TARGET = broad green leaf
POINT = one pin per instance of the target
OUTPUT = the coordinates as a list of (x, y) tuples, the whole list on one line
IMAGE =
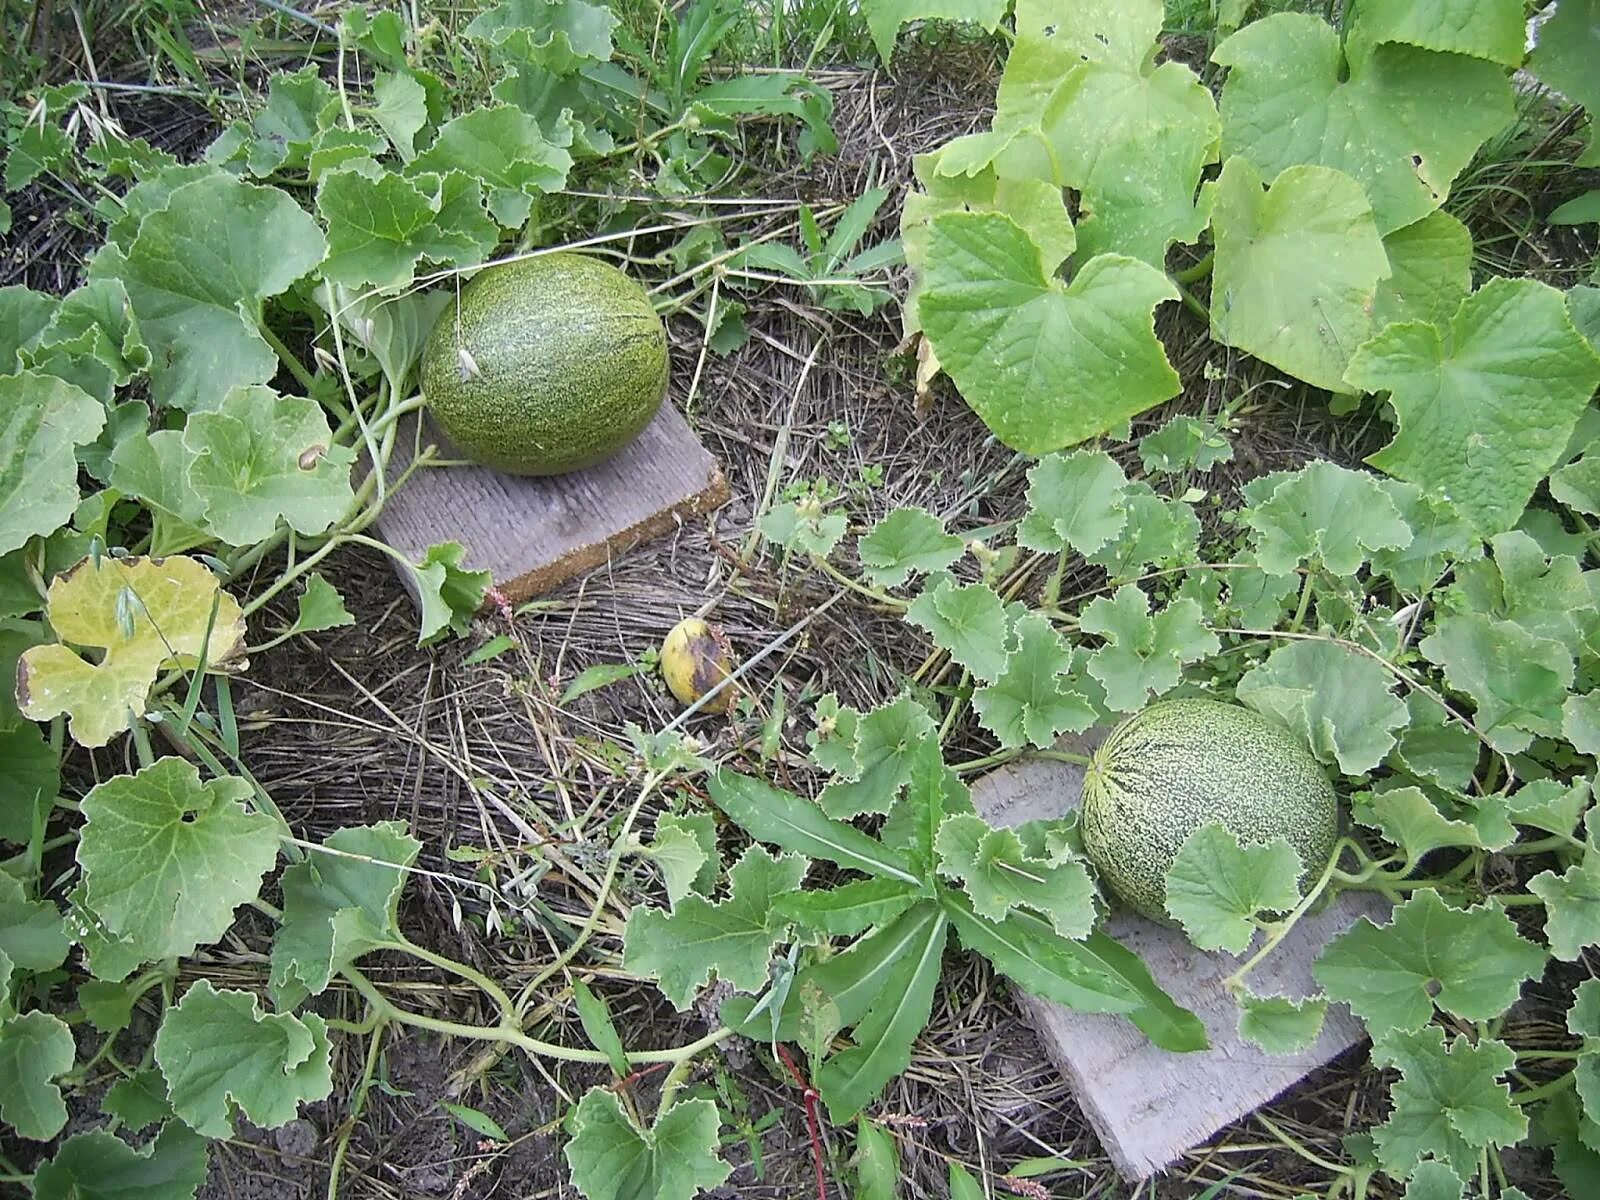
[(1577, 485), (1549, 804), (392, 328), (558, 35), (1158, 532), (885, 740), (24, 316), (34, 1048), (298, 106), (1340, 702), (1486, 405), (1517, 681), (504, 149), (1130, 137), (1280, 1025), (679, 856), (907, 541), (968, 621), (92, 340), (259, 457), (733, 938), (217, 1047), (381, 225), (797, 824), (167, 858), (401, 110), (1571, 906), (30, 778), (1034, 701), (1402, 121), (1037, 205), (450, 594), (145, 614), (1564, 61), (139, 1100), (319, 607), (42, 421), (1218, 889), (101, 1166), (962, 1185), (1440, 536), (702, 827), (32, 933), (339, 903), (1489, 29), (1449, 1103), (1143, 653), (1263, 301), (876, 1162), (1469, 961), (197, 273), (999, 876), (1580, 722), (1045, 364), (611, 1158), (1413, 823), (884, 1035), (1431, 265), (803, 526), (1184, 443), (886, 17), (1433, 1180), (1583, 1021), (1074, 500), (849, 909), (154, 468)]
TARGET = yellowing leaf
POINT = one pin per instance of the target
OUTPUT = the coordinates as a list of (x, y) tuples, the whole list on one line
[(146, 615)]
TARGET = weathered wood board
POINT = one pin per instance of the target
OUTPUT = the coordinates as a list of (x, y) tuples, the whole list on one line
[(531, 534), (1147, 1105)]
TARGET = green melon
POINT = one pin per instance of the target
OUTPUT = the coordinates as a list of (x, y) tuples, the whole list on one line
[(1180, 764), (546, 365)]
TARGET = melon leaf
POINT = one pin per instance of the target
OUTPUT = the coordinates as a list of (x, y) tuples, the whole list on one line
[(1143, 653), (1279, 1024), (967, 621), (906, 541), (999, 876), (611, 1158), (1074, 501), (1218, 889), (1322, 514), (1035, 698)]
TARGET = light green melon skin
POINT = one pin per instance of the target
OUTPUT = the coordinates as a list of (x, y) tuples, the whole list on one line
[(571, 365), (1180, 764)]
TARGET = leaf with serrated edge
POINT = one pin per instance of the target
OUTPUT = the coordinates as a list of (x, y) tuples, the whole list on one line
[(1279, 1024), (450, 594), (1469, 961), (1074, 500), (732, 938), (34, 1048), (167, 858), (1486, 404), (998, 876), (259, 457), (320, 606), (1406, 817), (611, 1158), (1488, 29), (138, 1100), (1045, 364), (1440, 536), (1518, 681), (1158, 532), (101, 1166), (1340, 702), (505, 149), (1549, 804), (1571, 906), (1217, 889), (907, 541), (679, 856), (1433, 1180), (339, 903), (218, 1046), (967, 621), (1032, 702), (1143, 653), (885, 741), (1403, 121), (32, 933), (382, 225), (1431, 260), (1449, 1102), (167, 604), (215, 252), (1323, 513), (42, 421)]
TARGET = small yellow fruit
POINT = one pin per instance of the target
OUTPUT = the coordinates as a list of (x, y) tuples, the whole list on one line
[(695, 657)]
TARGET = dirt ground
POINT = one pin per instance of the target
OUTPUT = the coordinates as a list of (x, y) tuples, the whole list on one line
[(357, 725)]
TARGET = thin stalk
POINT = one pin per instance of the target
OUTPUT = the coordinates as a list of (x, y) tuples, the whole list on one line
[(488, 986), (287, 357), (1236, 980)]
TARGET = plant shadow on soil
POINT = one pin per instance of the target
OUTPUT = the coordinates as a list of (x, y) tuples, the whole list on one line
[(357, 725)]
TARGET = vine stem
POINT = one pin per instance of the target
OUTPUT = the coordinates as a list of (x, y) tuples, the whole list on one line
[(1000, 758), (488, 986), (1545, 1090), (287, 357), (855, 585), (1235, 981), (512, 1036)]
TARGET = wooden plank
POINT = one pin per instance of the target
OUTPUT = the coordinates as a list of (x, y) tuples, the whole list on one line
[(531, 534), (1147, 1105)]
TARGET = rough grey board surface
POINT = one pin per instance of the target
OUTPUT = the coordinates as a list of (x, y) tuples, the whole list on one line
[(1148, 1105), (531, 534)]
